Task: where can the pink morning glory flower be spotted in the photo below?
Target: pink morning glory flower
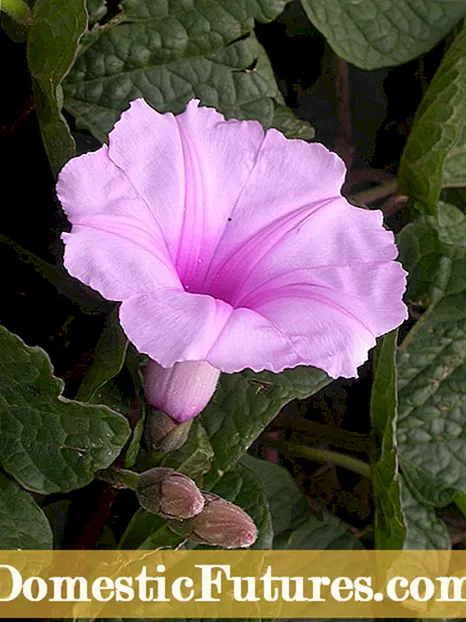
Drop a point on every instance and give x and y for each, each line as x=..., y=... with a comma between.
x=230, y=247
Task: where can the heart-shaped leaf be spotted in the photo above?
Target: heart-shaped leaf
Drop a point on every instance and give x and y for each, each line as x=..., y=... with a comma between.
x=437, y=128
x=380, y=33
x=244, y=404
x=431, y=428
x=170, y=52
x=48, y=443
x=23, y=525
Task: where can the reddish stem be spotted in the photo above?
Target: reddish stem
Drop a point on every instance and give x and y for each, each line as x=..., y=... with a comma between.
x=89, y=537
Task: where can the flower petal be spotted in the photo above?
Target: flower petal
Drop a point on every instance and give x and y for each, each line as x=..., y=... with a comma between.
x=324, y=336
x=335, y=235
x=92, y=185
x=290, y=182
x=250, y=340
x=330, y=325
x=333, y=314
x=371, y=293
x=189, y=170
x=145, y=146
x=115, y=245
x=173, y=326
x=332, y=233
x=113, y=263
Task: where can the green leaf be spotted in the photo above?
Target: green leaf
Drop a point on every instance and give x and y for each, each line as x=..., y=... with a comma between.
x=389, y=528
x=194, y=457
x=16, y=31
x=127, y=398
x=437, y=127
x=133, y=366
x=454, y=167
x=424, y=531
x=287, y=504
x=377, y=33
x=74, y=290
x=134, y=445
x=432, y=412
x=244, y=488
x=170, y=52
x=433, y=252
x=149, y=532
x=293, y=526
x=244, y=404
x=318, y=533
x=135, y=442
x=23, y=524
x=48, y=443
x=112, y=396
x=109, y=358
x=52, y=46
x=460, y=502
x=284, y=120
x=97, y=10
x=432, y=360
x=455, y=196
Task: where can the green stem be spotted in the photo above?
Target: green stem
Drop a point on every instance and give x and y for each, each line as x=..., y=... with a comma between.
x=17, y=9
x=377, y=193
x=418, y=326
x=324, y=455
x=460, y=502
x=123, y=478
x=321, y=433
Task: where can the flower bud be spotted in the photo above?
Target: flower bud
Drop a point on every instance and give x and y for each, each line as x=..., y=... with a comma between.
x=220, y=523
x=169, y=494
x=181, y=391
x=163, y=434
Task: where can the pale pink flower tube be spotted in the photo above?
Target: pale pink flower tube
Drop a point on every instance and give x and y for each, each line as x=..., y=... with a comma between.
x=229, y=245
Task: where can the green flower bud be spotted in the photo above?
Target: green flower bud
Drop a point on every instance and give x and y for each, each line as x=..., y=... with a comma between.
x=169, y=494
x=163, y=434
x=220, y=523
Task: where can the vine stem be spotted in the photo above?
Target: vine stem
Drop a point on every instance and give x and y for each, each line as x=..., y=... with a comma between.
x=377, y=193
x=344, y=142
x=92, y=530
x=119, y=478
x=325, y=455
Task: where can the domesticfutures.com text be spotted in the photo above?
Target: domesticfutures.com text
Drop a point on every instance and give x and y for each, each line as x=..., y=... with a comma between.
x=210, y=581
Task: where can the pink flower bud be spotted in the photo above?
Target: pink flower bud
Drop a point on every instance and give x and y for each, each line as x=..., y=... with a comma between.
x=181, y=391
x=221, y=523
x=169, y=494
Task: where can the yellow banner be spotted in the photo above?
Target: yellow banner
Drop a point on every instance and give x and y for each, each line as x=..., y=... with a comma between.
x=232, y=584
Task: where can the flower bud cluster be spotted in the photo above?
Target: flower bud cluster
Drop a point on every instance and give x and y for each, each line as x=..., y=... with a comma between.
x=221, y=523
x=169, y=494
x=202, y=517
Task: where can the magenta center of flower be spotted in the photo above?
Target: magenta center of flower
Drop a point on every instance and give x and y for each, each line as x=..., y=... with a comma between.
x=225, y=285
x=232, y=278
